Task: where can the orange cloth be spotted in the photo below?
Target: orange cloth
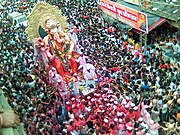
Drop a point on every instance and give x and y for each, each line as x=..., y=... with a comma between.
x=58, y=66
x=73, y=64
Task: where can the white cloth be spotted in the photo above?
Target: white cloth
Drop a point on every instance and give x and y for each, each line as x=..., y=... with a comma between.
x=71, y=116
x=90, y=66
x=121, y=132
x=153, y=129
x=61, y=86
x=88, y=109
x=172, y=86
x=52, y=74
x=82, y=61
x=87, y=75
x=32, y=84
x=76, y=86
x=139, y=133
x=159, y=92
x=144, y=126
x=176, y=47
x=93, y=74
x=164, y=108
x=58, y=77
x=74, y=38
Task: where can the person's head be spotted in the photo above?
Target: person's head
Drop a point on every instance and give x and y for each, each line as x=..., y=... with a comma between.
x=131, y=110
x=98, y=124
x=103, y=128
x=175, y=42
x=112, y=126
x=71, y=123
x=71, y=111
x=102, y=132
x=155, y=108
x=127, y=119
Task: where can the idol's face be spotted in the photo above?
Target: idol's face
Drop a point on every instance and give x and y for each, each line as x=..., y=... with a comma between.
x=51, y=25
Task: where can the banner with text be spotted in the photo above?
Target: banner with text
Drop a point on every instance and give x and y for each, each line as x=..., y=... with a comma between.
x=129, y=16
x=108, y=7
x=135, y=2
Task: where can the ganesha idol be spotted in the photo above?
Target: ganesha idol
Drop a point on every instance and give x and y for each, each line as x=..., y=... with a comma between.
x=47, y=29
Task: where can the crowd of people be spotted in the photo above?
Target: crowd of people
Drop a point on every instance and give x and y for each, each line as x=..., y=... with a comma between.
x=137, y=92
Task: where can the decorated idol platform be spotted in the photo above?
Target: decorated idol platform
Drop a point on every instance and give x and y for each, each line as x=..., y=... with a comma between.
x=56, y=50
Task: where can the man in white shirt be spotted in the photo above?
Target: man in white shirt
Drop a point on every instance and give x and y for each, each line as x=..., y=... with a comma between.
x=176, y=47
x=54, y=76
x=153, y=128
x=74, y=38
x=76, y=85
x=82, y=60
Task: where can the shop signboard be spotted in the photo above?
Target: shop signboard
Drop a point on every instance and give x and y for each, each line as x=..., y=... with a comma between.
x=129, y=16
x=108, y=7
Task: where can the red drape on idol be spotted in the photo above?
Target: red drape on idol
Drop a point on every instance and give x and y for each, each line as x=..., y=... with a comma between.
x=66, y=75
